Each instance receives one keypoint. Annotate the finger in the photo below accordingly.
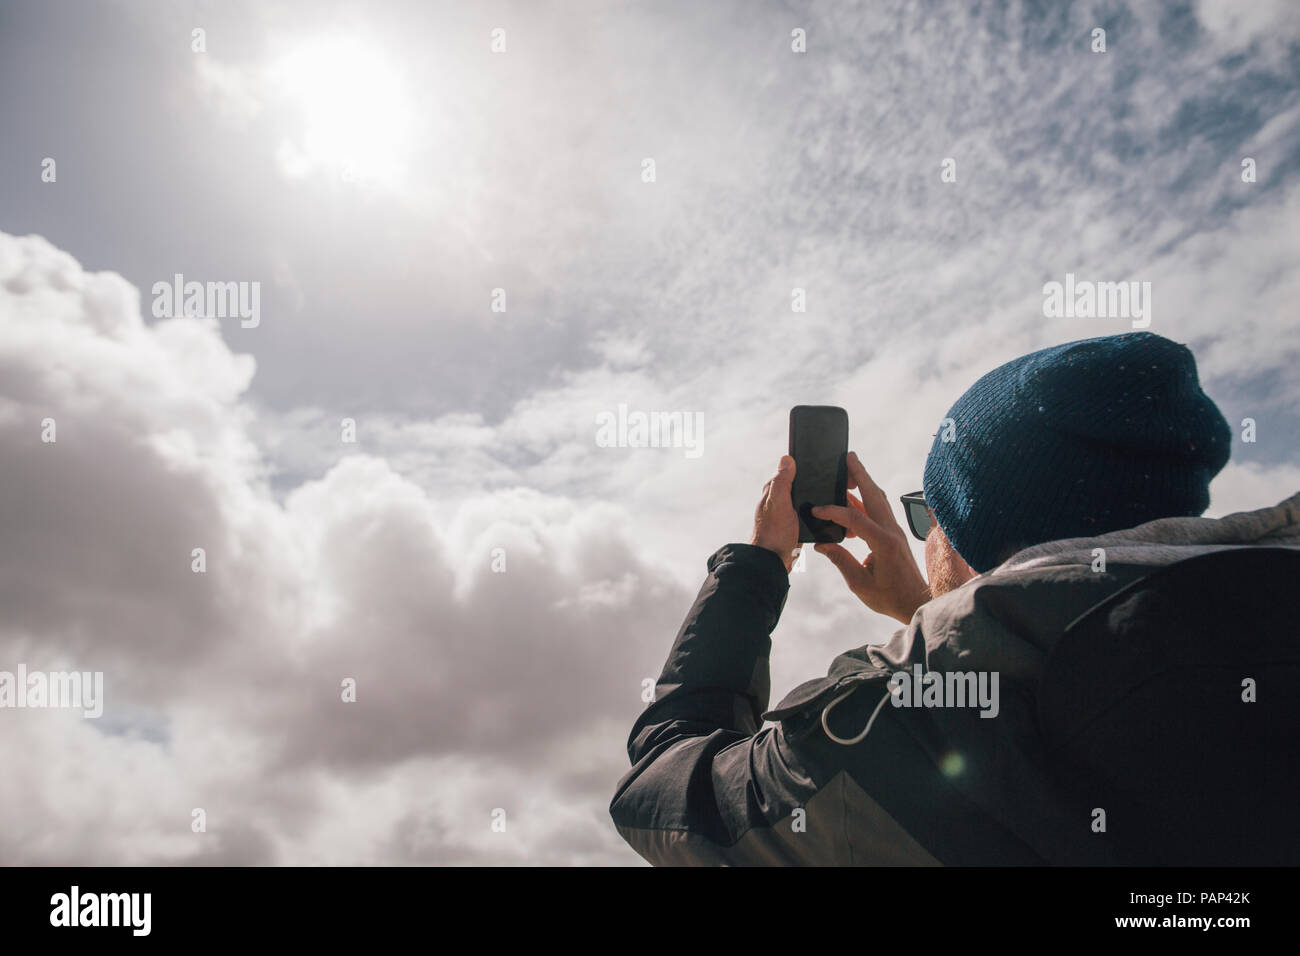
(859, 523)
(843, 559)
(874, 501)
(856, 505)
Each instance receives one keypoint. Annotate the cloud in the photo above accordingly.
(1269, 24)
(223, 688)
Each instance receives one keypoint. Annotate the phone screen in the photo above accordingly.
(819, 444)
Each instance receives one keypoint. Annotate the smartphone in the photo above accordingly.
(819, 444)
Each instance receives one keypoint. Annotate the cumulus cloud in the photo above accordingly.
(223, 687)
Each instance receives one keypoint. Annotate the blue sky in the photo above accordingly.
(522, 170)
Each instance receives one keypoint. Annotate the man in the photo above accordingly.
(1093, 674)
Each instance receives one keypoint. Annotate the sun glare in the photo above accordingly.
(353, 118)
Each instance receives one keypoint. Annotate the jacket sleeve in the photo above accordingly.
(707, 786)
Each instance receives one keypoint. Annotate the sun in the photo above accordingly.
(347, 109)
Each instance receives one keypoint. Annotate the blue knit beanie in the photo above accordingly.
(1074, 441)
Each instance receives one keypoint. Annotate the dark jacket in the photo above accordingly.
(1121, 732)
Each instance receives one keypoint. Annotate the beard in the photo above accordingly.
(945, 578)
(943, 565)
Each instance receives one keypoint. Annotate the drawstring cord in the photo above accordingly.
(865, 730)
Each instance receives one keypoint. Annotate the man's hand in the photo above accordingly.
(776, 526)
(888, 581)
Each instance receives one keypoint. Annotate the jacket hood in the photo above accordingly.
(1167, 540)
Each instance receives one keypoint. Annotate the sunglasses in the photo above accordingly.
(918, 514)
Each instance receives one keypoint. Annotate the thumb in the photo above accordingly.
(784, 477)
